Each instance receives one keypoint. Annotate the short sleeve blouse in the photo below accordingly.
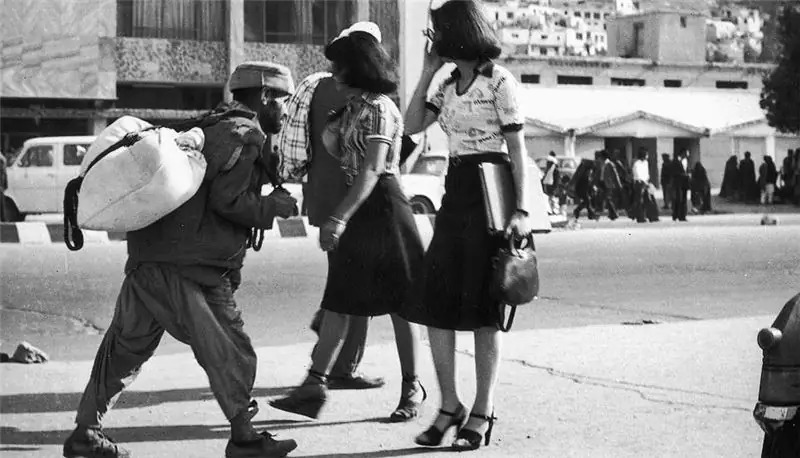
(370, 117)
(476, 120)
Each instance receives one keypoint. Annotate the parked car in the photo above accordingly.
(424, 182)
(567, 164)
(39, 173)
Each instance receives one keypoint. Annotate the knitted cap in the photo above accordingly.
(262, 74)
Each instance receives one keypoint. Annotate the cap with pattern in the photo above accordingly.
(262, 74)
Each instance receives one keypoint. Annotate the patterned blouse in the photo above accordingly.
(476, 120)
(366, 118)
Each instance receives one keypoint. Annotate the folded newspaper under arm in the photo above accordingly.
(500, 197)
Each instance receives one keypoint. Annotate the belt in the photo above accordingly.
(456, 160)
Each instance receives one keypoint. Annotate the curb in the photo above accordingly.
(42, 233)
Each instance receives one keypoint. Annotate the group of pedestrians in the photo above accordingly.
(740, 182)
(608, 184)
(344, 132)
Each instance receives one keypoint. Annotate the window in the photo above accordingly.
(673, 83)
(510, 15)
(570, 79)
(175, 19)
(38, 156)
(543, 51)
(529, 78)
(683, 22)
(587, 15)
(577, 14)
(627, 82)
(296, 21)
(605, 15)
(596, 15)
(731, 84)
(73, 154)
(588, 35)
(544, 37)
(175, 97)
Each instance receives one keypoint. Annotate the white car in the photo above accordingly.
(424, 182)
(39, 173)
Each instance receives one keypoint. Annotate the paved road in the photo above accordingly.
(668, 272)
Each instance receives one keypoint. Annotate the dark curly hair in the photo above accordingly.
(463, 32)
(363, 63)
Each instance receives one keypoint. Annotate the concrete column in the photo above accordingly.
(234, 39)
(734, 146)
(629, 150)
(96, 125)
(413, 16)
(769, 145)
(362, 10)
(569, 144)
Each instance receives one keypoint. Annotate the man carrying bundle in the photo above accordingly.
(182, 272)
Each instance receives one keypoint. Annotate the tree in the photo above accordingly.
(780, 96)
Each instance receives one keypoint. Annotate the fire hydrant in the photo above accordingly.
(778, 409)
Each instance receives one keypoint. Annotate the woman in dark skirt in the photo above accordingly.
(372, 241)
(478, 108)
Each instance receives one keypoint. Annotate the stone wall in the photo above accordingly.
(302, 59)
(156, 60)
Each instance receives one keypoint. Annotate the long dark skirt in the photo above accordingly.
(379, 256)
(457, 269)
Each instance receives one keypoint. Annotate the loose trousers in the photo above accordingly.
(155, 298)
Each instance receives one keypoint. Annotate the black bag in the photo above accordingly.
(515, 277)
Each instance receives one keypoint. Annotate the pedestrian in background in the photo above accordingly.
(700, 189)
(478, 96)
(666, 180)
(551, 181)
(767, 178)
(748, 186)
(680, 183)
(610, 185)
(730, 179)
(177, 281)
(641, 184)
(583, 190)
(375, 249)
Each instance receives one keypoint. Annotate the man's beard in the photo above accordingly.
(270, 117)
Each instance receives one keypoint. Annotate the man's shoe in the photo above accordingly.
(92, 443)
(265, 447)
(355, 382)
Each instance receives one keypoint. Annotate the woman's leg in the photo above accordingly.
(406, 337)
(443, 350)
(487, 366)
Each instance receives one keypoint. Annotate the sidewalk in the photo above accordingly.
(663, 390)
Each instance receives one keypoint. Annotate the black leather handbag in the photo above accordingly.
(515, 277)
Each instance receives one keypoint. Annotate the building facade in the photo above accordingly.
(71, 66)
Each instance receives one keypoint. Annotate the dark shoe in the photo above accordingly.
(355, 382)
(306, 400)
(266, 447)
(408, 408)
(432, 437)
(468, 439)
(92, 443)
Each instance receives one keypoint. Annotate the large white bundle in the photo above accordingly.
(135, 186)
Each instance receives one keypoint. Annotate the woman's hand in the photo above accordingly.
(432, 62)
(330, 232)
(519, 226)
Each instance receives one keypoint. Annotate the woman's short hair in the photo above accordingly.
(363, 63)
(463, 32)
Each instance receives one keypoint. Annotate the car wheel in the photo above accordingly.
(420, 205)
(9, 213)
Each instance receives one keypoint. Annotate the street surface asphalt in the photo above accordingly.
(607, 273)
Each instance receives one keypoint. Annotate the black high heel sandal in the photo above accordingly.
(432, 436)
(408, 409)
(306, 400)
(467, 439)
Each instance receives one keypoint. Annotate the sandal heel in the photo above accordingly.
(467, 439)
(432, 437)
